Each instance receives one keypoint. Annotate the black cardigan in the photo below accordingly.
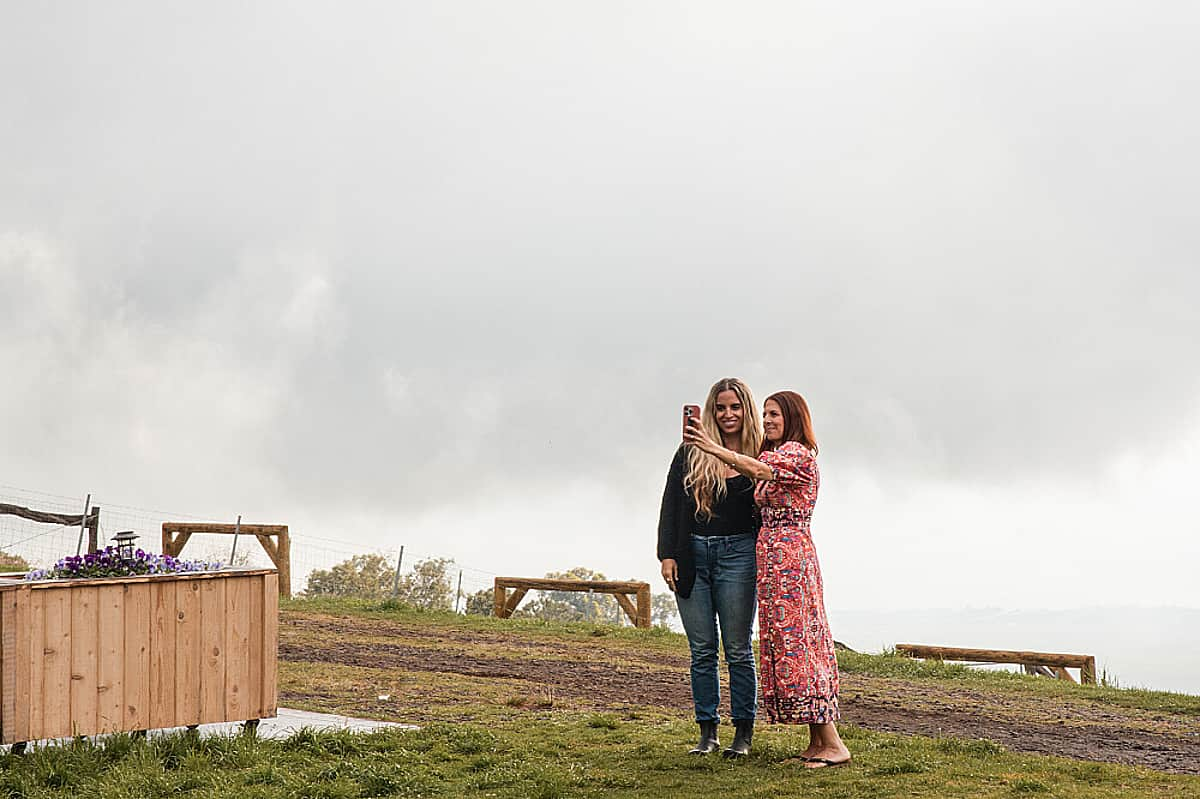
(676, 522)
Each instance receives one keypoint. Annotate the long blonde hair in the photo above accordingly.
(705, 477)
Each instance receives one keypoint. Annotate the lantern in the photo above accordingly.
(124, 541)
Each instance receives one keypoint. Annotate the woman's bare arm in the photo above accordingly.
(744, 464)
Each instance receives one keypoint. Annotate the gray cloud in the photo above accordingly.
(366, 249)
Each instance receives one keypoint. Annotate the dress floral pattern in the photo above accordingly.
(798, 673)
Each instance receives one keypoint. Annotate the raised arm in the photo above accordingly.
(744, 464)
(791, 463)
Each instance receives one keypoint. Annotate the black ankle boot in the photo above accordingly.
(743, 732)
(708, 739)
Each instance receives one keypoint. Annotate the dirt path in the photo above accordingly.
(604, 677)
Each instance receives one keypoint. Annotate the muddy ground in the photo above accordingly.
(609, 676)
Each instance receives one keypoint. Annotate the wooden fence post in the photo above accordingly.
(643, 607)
(1087, 674)
(93, 528)
(284, 564)
(498, 601)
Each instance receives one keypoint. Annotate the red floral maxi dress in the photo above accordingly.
(798, 671)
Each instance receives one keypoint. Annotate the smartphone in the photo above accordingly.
(690, 412)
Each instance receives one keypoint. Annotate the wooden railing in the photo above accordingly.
(1059, 662)
(506, 603)
(89, 522)
(176, 534)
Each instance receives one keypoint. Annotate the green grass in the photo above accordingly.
(887, 664)
(890, 664)
(655, 637)
(555, 755)
(507, 737)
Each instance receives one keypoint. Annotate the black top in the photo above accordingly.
(735, 514)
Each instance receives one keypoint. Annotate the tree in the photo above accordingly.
(428, 585)
(481, 603)
(367, 576)
(13, 563)
(664, 612)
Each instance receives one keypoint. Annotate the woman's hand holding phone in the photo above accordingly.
(693, 433)
(690, 412)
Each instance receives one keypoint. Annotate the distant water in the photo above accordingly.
(1157, 648)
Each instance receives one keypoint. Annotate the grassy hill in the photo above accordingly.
(579, 710)
(523, 708)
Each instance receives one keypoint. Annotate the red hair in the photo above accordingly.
(797, 421)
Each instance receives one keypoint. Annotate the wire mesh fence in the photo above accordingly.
(40, 545)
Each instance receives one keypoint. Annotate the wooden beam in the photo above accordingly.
(65, 519)
(515, 599)
(498, 600)
(172, 545)
(224, 529)
(994, 655)
(283, 562)
(1087, 672)
(93, 528)
(602, 586)
(1063, 674)
(643, 606)
(269, 547)
(628, 607)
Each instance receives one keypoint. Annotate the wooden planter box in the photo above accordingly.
(84, 657)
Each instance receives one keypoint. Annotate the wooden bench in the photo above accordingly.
(506, 603)
(1059, 662)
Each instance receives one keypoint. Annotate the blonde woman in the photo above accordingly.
(706, 537)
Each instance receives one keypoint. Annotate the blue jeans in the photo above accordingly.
(724, 594)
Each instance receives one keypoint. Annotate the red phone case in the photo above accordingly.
(690, 411)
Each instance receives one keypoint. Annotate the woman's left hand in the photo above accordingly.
(696, 436)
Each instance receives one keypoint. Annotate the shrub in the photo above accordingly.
(368, 576)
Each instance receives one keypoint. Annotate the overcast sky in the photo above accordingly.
(442, 274)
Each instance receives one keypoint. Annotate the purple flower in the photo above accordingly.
(108, 563)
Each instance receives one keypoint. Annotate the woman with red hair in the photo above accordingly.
(798, 671)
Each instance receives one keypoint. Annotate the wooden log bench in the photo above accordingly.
(1056, 661)
(639, 614)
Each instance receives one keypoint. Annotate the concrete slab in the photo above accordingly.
(288, 722)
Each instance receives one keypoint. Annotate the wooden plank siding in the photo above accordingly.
(55, 698)
(101, 656)
(270, 646)
(110, 659)
(163, 621)
(85, 636)
(213, 656)
(237, 649)
(187, 653)
(136, 683)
